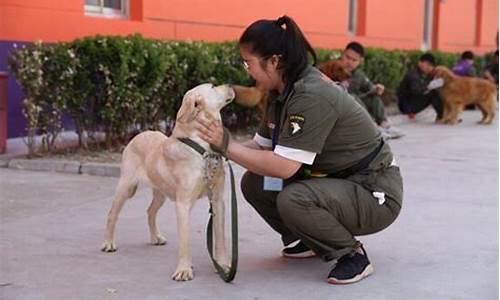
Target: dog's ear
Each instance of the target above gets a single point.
(191, 106)
(434, 72)
(441, 72)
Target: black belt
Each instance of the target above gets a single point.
(342, 174)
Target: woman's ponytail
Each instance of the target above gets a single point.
(280, 37)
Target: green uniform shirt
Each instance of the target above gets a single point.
(320, 120)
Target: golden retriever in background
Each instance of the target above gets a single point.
(334, 70)
(173, 169)
(457, 92)
(253, 96)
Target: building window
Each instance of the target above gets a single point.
(479, 18)
(428, 26)
(357, 17)
(107, 8)
(353, 16)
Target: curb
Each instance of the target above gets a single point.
(60, 166)
(100, 169)
(63, 166)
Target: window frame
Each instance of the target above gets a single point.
(428, 25)
(352, 22)
(107, 12)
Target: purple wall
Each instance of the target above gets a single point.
(16, 123)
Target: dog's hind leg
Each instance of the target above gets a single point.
(484, 112)
(156, 236)
(125, 190)
(491, 109)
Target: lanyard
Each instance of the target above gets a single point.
(278, 107)
(277, 121)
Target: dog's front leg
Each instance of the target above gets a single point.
(184, 269)
(219, 227)
(446, 112)
(455, 114)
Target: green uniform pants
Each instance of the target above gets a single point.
(375, 107)
(326, 213)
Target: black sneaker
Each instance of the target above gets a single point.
(351, 268)
(300, 250)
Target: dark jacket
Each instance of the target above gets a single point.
(414, 84)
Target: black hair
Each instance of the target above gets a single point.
(467, 55)
(282, 37)
(356, 47)
(428, 57)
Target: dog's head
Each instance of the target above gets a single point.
(443, 73)
(207, 98)
(334, 70)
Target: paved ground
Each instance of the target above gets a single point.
(444, 245)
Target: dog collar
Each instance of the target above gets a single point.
(193, 145)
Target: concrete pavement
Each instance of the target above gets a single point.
(444, 245)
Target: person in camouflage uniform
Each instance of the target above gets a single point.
(412, 93)
(364, 91)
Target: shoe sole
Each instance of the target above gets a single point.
(306, 254)
(366, 272)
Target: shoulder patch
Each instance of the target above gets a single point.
(295, 124)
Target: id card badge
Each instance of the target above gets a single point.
(273, 184)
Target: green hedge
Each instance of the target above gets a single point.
(117, 85)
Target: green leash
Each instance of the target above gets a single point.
(226, 276)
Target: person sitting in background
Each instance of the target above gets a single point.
(364, 91)
(491, 71)
(465, 66)
(412, 93)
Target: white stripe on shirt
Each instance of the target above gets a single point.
(262, 141)
(306, 157)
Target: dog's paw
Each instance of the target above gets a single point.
(108, 247)
(158, 240)
(183, 274)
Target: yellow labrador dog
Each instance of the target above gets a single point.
(175, 170)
